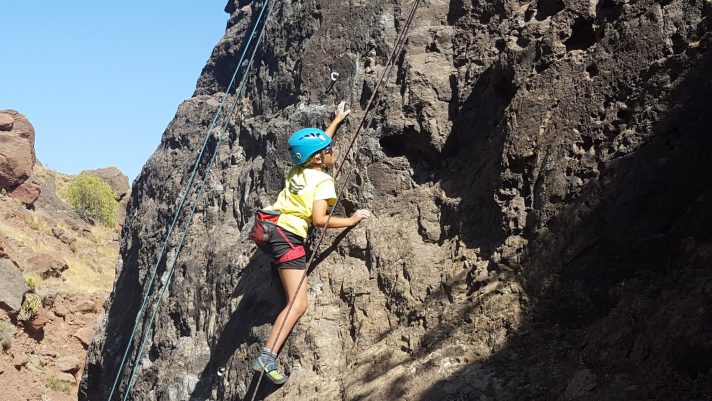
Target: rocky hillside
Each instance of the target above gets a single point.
(56, 271)
(539, 179)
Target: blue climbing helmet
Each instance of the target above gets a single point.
(306, 142)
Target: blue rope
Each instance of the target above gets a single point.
(171, 269)
(184, 195)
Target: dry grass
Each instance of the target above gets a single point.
(58, 385)
(22, 237)
(91, 267)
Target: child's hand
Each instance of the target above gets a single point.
(341, 111)
(359, 215)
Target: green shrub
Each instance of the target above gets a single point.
(92, 198)
(32, 280)
(55, 384)
(7, 334)
(30, 307)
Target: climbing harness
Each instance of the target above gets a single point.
(264, 229)
(259, 22)
(400, 41)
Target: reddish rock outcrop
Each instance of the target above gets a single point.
(27, 192)
(46, 265)
(17, 149)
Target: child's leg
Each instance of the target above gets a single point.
(290, 281)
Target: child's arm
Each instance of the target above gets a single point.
(340, 116)
(319, 216)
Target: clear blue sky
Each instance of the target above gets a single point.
(101, 80)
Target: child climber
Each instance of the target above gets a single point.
(308, 192)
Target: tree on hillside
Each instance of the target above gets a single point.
(92, 198)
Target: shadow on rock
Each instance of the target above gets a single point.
(258, 305)
(618, 282)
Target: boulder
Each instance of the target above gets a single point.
(46, 265)
(37, 324)
(60, 309)
(86, 306)
(27, 192)
(84, 335)
(68, 364)
(12, 286)
(17, 149)
(67, 377)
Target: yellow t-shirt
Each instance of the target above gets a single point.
(302, 187)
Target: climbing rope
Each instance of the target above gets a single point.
(400, 41)
(171, 269)
(184, 195)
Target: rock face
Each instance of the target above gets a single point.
(17, 157)
(539, 180)
(17, 149)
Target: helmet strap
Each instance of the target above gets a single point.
(312, 163)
